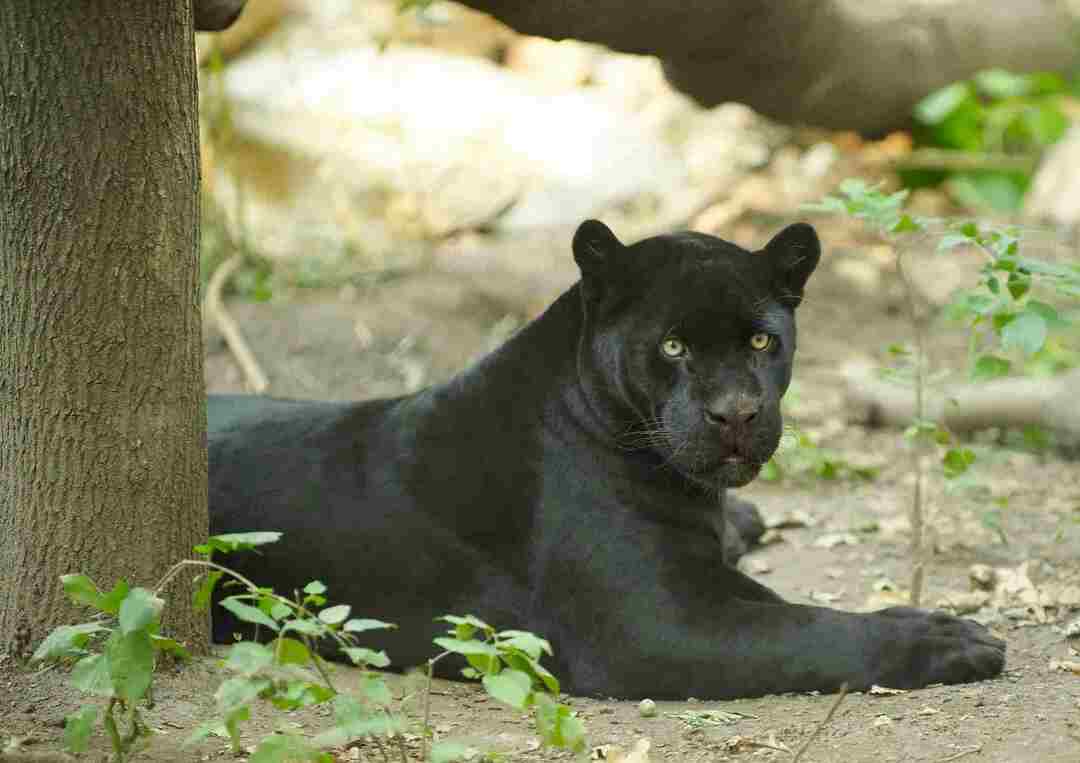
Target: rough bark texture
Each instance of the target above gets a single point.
(102, 412)
(856, 64)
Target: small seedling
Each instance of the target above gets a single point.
(1004, 318)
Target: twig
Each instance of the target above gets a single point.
(214, 308)
(824, 722)
(964, 161)
(962, 753)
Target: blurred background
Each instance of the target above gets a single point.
(390, 188)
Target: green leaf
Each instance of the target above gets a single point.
(335, 614)
(557, 726)
(203, 730)
(111, 601)
(771, 471)
(66, 641)
(512, 687)
(91, 675)
(1048, 313)
(1045, 123)
(527, 642)
(299, 694)
(375, 690)
(540, 674)
(78, 727)
(472, 620)
(906, 224)
(233, 719)
(989, 367)
(289, 651)
(248, 613)
(380, 725)
(131, 664)
(239, 691)
(988, 190)
(285, 748)
(1027, 332)
(230, 542)
(249, 657)
(939, 105)
(81, 590)
(470, 647)
(315, 587)
(1018, 284)
(280, 610)
(364, 656)
(956, 461)
(139, 609)
(306, 626)
(173, 647)
(1001, 84)
(206, 589)
(359, 625)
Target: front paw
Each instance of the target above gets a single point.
(919, 648)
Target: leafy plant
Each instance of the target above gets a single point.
(508, 664)
(113, 656)
(799, 457)
(996, 112)
(1005, 319)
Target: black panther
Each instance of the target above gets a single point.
(574, 483)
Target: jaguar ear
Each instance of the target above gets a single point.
(794, 253)
(595, 251)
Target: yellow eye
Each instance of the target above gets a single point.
(761, 342)
(673, 347)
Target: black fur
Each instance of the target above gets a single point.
(573, 482)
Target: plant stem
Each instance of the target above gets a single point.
(918, 560)
(426, 729)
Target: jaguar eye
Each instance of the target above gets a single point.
(673, 347)
(761, 342)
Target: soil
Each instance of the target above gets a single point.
(848, 548)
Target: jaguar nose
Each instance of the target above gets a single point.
(728, 411)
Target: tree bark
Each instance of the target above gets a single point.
(850, 64)
(102, 411)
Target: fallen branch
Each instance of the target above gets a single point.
(964, 161)
(214, 309)
(1045, 402)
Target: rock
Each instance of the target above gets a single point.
(558, 65)
(1055, 190)
(444, 142)
(982, 576)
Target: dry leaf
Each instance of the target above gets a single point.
(615, 754)
(884, 691)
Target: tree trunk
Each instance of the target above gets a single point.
(102, 411)
(850, 64)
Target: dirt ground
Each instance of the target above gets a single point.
(847, 548)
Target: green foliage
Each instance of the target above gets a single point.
(508, 664)
(994, 112)
(114, 657)
(800, 457)
(1011, 325)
